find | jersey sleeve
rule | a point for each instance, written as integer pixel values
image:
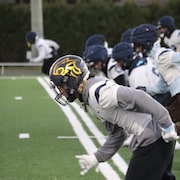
(137, 100)
(116, 137)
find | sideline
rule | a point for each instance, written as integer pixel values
(83, 137)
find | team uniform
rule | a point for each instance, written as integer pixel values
(142, 72)
(121, 111)
(116, 73)
(168, 64)
(46, 49)
(170, 36)
(46, 53)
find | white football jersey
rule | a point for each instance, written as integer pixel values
(145, 75)
(174, 41)
(44, 48)
(113, 70)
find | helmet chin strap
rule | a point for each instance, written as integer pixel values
(81, 86)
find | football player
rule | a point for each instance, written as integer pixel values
(169, 35)
(121, 109)
(168, 65)
(47, 50)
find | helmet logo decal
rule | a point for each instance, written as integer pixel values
(69, 68)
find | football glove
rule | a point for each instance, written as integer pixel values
(87, 162)
(169, 134)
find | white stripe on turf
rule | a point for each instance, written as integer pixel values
(75, 137)
(88, 144)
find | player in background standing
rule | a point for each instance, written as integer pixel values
(170, 36)
(121, 109)
(47, 50)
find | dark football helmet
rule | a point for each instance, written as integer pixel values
(69, 71)
(30, 38)
(126, 36)
(166, 22)
(96, 53)
(95, 39)
(144, 35)
(123, 51)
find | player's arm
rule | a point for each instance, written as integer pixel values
(130, 98)
(115, 139)
(41, 55)
(144, 103)
(176, 58)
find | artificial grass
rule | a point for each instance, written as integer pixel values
(43, 156)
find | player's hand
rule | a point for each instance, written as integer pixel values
(169, 134)
(31, 60)
(86, 162)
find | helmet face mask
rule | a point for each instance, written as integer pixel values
(60, 98)
(66, 74)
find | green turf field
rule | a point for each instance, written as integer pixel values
(49, 152)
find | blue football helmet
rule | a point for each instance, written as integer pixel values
(144, 35)
(94, 54)
(123, 51)
(167, 22)
(95, 39)
(126, 36)
(31, 37)
(69, 71)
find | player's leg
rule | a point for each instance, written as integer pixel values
(174, 112)
(151, 162)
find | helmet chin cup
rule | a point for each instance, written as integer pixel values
(61, 99)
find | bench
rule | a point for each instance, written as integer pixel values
(17, 64)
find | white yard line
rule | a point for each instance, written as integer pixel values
(87, 143)
(74, 137)
(17, 77)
